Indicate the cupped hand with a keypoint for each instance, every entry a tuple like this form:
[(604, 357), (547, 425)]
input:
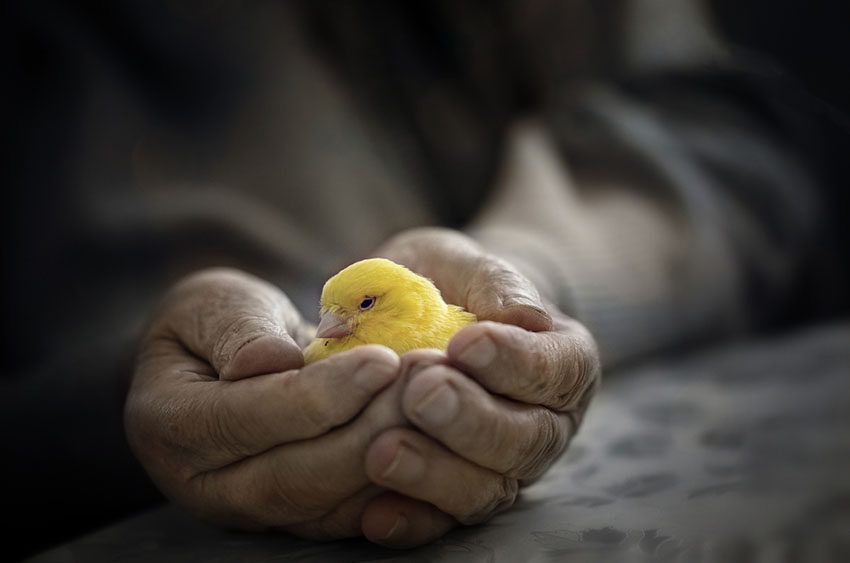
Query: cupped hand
[(491, 414), (231, 426)]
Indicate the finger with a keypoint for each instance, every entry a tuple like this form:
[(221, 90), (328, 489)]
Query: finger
[(299, 481), (341, 521), (508, 437), (496, 291), (556, 369), (218, 422), (413, 465), (401, 522), (469, 276), (242, 325)]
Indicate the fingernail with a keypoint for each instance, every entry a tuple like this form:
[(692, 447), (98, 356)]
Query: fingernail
[(374, 375), (480, 354), (439, 407), (419, 366), (266, 354), (398, 527), (519, 299), (407, 466)]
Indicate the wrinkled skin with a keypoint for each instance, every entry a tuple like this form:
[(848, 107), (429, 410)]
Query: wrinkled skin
[(232, 427)]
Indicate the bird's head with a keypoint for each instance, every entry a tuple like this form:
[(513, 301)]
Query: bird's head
[(372, 292)]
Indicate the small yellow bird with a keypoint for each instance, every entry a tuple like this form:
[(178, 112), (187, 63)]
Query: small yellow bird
[(377, 301)]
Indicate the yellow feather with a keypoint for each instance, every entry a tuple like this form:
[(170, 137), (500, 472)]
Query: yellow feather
[(407, 311)]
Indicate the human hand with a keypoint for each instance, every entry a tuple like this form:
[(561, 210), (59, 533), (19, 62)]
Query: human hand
[(492, 413), (234, 430)]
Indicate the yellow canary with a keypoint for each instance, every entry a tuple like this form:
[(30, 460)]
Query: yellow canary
[(377, 301)]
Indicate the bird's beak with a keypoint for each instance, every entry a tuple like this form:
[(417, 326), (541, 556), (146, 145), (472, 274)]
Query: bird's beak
[(332, 326)]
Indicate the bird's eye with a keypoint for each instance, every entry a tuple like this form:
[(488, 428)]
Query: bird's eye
[(367, 303)]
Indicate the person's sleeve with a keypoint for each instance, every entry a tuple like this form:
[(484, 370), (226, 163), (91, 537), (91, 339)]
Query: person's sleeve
[(732, 159), (701, 200)]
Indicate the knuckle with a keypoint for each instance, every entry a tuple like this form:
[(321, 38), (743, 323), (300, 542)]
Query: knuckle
[(519, 365), (578, 374), (173, 418), (276, 496), (261, 501), (535, 371), (508, 489), (502, 495), (261, 505), (545, 445), (215, 498), (224, 436), (169, 438)]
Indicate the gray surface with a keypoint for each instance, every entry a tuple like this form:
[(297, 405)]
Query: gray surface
[(737, 455)]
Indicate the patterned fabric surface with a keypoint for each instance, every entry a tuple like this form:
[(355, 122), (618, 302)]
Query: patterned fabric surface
[(740, 454)]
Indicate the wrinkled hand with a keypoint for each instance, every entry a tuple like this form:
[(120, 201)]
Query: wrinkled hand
[(493, 413), (231, 427)]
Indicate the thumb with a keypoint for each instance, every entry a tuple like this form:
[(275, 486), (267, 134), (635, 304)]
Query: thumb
[(496, 291), (240, 324), (469, 276)]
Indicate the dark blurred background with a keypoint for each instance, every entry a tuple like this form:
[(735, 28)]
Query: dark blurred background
[(66, 467), (804, 38)]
